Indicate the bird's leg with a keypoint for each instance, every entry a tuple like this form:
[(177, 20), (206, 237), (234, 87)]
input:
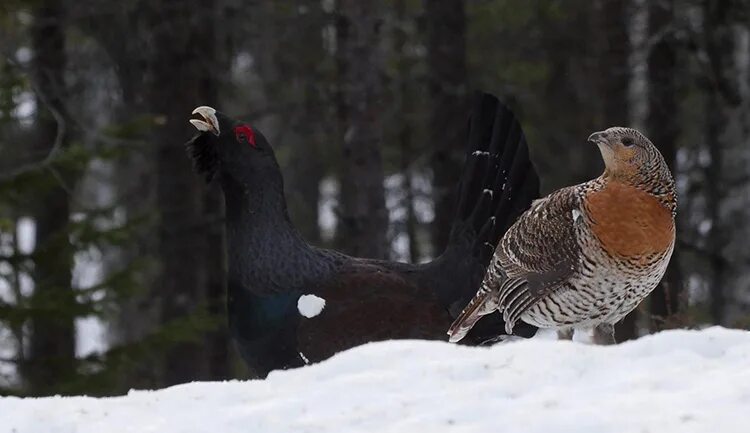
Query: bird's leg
[(565, 334), (604, 334), (500, 339)]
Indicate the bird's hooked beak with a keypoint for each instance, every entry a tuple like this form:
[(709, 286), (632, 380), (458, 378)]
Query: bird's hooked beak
[(209, 122), (599, 137)]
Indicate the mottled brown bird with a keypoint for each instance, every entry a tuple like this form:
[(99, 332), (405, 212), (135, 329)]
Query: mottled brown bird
[(586, 255)]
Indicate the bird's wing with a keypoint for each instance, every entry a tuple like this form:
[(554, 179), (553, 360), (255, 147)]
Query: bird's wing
[(371, 300), (537, 254)]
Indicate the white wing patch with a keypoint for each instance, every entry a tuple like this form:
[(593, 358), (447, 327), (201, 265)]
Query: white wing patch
[(576, 215), (310, 305)]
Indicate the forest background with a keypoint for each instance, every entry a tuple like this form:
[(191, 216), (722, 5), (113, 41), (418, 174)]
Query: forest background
[(111, 248)]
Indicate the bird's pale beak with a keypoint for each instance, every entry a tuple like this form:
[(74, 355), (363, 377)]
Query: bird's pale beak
[(209, 122), (598, 137)]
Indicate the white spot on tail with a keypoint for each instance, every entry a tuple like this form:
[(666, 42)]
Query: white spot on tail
[(310, 305), (576, 215)]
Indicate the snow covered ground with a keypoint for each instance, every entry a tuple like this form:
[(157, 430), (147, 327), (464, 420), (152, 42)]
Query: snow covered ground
[(677, 381)]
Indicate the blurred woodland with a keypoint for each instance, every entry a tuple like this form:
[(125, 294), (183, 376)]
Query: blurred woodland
[(111, 247)]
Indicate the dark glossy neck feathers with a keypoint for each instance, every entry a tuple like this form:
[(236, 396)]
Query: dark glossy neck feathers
[(266, 253)]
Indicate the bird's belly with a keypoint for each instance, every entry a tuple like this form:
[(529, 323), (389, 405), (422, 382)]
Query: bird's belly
[(604, 295)]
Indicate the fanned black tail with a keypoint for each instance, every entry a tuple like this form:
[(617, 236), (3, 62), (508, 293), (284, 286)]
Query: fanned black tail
[(497, 185)]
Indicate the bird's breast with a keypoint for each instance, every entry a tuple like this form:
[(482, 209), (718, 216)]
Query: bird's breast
[(629, 223)]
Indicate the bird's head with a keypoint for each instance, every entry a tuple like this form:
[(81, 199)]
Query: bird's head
[(631, 158), (628, 155), (228, 146)]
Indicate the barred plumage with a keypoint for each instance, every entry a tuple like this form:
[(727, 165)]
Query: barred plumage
[(586, 255)]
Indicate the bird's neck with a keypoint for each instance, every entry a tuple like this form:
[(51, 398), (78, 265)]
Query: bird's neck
[(265, 252), (655, 180), (256, 202)]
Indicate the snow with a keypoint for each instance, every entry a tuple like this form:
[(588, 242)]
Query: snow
[(480, 153), (310, 305), (26, 235), (91, 331), (91, 336), (329, 202), (676, 381)]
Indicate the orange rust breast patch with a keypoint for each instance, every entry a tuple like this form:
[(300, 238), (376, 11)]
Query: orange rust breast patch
[(629, 222)]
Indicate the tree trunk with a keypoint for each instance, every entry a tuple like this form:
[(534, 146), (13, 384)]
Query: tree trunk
[(51, 357), (305, 173), (190, 249), (447, 81), (299, 69), (405, 108), (725, 135), (614, 64), (714, 197), (216, 340), (135, 174), (662, 130), (363, 219)]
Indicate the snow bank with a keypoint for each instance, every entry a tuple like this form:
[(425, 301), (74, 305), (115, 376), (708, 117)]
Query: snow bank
[(678, 381)]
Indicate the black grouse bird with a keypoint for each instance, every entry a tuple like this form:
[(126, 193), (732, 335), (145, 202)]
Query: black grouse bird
[(290, 303)]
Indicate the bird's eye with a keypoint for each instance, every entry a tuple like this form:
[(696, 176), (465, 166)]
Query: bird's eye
[(627, 142), (245, 133)]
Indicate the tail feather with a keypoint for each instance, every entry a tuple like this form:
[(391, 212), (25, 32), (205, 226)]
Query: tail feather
[(520, 189), (468, 317), (484, 251), (472, 183), (479, 161), (509, 137), (520, 202), (503, 291), (518, 182), (498, 183)]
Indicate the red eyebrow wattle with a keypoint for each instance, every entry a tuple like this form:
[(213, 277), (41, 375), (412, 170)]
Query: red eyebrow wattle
[(247, 132)]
